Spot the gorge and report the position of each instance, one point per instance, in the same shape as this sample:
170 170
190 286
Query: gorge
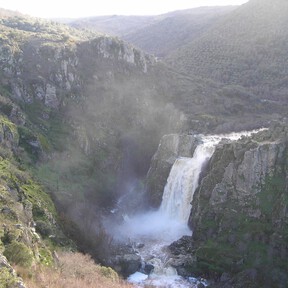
152 232
112 152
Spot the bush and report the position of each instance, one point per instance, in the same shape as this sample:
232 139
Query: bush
108 272
75 270
11 235
43 228
7 279
19 254
46 257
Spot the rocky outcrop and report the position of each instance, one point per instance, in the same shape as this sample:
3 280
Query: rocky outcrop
239 216
170 148
8 276
8 133
182 257
126 264
120 51
47 72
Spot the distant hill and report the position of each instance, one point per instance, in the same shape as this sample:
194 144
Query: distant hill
4 13
158 35
173 30
248 48
113 25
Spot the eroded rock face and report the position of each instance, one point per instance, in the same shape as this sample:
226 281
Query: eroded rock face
170 148
240 216
49 73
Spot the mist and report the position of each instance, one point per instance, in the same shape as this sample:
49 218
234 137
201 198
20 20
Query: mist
148 226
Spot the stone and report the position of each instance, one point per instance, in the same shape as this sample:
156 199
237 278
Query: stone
148 268
127 264
240 200
170 148
51 99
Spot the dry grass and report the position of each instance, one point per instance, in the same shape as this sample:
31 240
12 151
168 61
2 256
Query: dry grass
74 270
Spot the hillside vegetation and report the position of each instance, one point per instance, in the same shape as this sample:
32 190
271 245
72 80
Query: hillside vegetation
82 113
158 35
114 25
73 270
176 29
71 104
247 48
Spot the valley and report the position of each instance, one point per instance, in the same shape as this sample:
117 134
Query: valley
110 151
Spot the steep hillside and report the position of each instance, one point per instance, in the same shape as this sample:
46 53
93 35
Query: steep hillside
174 30
248 48
114 25
157 35
30 226
94 113
239 213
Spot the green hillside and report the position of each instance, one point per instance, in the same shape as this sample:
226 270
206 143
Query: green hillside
82 114
176 29
158 35
248 48
115 25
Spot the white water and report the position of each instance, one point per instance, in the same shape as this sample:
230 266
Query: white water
158 229
183 181
184 177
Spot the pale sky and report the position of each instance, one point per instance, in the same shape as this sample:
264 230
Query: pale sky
85 8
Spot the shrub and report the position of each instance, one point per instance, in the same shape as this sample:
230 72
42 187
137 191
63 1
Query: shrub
43 228
18 253
7 279
11 235
46 257
75 270
108 272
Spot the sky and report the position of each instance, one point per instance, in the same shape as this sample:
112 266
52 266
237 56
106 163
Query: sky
85 8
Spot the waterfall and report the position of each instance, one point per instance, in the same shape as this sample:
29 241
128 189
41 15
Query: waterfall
157 229
184 177
183 181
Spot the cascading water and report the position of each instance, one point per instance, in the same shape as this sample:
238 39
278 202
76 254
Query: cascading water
183 181
158 229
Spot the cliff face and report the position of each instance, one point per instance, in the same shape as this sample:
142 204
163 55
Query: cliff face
170 148
29 223
71 104
83 93
239 216
36 68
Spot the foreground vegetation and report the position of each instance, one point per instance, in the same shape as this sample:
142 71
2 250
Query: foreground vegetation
72 270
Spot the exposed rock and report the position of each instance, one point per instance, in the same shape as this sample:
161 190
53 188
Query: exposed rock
170 148
148 268
51 97
240 206
181 246
118 50
126 264
182 257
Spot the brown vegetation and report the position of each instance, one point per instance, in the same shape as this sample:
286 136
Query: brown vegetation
73 270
